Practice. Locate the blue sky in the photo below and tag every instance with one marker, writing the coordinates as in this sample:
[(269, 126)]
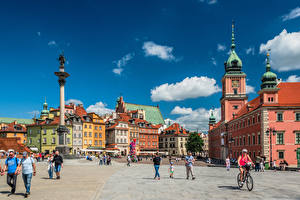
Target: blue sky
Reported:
[(134, 47)]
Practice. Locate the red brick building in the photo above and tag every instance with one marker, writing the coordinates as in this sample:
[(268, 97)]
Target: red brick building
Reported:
[(251, 124)]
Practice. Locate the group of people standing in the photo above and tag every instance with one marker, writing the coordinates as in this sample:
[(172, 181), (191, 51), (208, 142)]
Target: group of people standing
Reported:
[(13, 167), (104, 159), (189, 162)]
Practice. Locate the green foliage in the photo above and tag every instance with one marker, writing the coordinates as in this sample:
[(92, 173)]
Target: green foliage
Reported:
[(194, 143)]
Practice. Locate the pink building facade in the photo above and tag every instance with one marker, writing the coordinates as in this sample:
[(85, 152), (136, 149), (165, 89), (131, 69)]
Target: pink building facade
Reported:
[(267, 126)]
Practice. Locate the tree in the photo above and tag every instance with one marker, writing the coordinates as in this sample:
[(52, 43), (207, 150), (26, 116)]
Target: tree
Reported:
[(194, 143)]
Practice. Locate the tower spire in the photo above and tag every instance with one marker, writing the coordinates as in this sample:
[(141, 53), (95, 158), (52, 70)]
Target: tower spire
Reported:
[(232, 36), (268, 66)]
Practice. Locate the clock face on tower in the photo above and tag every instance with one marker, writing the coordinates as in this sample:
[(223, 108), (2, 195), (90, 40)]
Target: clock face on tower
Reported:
[(235, 83)]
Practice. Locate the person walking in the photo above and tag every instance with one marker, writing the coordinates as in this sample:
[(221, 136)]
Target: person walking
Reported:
[(262, 165), (104, 159), (58, 164), (11, 165), (156, 162), (189, 161), (28, 169), (50, 166), (171, 170), (128, 160), (108, 160), (227, 163), (101, 159)]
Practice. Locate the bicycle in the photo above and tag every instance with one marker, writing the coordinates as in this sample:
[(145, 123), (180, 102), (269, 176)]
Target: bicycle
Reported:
[(247, 178)]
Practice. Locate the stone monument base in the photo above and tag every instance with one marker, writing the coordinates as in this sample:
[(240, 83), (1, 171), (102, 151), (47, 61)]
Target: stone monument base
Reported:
[(64, 150)]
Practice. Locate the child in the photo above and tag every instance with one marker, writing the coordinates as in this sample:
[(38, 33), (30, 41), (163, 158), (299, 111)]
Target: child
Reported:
[(227, 163), (171, 170)]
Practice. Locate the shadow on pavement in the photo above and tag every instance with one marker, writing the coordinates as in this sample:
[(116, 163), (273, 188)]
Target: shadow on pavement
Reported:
[(9, 194), (229, 187)]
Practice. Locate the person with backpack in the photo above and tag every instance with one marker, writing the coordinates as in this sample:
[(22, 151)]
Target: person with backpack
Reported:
[(11, 165), (28, 169)]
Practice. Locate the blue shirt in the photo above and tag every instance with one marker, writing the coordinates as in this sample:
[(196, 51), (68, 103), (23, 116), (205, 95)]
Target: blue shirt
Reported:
[(189, 160), (12, 164), (27, 165)]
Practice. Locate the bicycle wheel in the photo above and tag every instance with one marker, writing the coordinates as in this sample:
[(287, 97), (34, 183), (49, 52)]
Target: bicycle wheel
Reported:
[(249, 182), (238, 178)]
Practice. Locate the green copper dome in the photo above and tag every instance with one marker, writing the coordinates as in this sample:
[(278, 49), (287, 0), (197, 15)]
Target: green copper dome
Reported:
[(234, 63), (45, 110), (269, 79), (212, 119)]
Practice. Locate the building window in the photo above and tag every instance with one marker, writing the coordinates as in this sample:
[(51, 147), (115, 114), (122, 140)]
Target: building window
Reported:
[(85, 134), (297, 116), (90, 142), (53, 140), (253, 139), (258, 138), (96, 128), (96, 142), (30, 140), (280, 154), (279, 117), (235, 107), (249, 139), (235, 91), (44, 140), (298, 138), (44, 131), (85, 142), (244, 142), (241, 141), (90, 134), (258, 118), (85, 126), (280, 138), (90, 126), (68, 141), (96, 135)]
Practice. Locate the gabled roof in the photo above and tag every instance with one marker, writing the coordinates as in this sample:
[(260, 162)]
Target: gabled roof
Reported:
[(153, 113), (289, 94), (176, 128), (7, 120), (11, 128)]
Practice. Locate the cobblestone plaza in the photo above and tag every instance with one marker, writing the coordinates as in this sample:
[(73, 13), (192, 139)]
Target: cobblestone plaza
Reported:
[(86, 180)]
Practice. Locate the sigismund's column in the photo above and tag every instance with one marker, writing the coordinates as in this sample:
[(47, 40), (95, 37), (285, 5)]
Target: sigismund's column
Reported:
[(62, 129)]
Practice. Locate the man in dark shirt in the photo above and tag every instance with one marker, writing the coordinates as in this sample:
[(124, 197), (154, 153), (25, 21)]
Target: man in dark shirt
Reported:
[(58, 164), (156, 161)]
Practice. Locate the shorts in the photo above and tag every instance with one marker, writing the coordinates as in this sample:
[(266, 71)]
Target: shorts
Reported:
[(172, 172), (57, 168)]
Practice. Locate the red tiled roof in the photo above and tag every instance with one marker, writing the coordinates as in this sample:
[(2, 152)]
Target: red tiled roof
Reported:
[(11, 128), (12, 143), (177, 128), (289, 94)]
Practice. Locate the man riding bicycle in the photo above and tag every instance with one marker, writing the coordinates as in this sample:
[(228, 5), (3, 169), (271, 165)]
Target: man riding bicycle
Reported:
[(243, 161)]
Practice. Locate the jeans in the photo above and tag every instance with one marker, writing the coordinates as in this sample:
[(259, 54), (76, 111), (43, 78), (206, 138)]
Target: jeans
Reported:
[(50, 172), (100, 162), (12, 180), (156, 167), (57, 168), (27, 181)]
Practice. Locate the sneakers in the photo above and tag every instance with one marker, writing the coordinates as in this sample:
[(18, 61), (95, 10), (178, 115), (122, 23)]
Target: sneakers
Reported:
[(13, 191), (58, 177), (26, 195), (193, 178)]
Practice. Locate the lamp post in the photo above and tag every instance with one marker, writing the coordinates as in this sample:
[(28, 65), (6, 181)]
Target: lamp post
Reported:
[(270, 132), (230, 141)]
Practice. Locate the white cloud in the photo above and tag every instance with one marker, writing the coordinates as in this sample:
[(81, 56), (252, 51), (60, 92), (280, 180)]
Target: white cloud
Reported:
[(293, 78), (221, 47), (99, 108), (162, 52), (250, 89), (118, 70), (196, 119), (250, 50), (121, 63), (212, 2), (188, 88), (213, 61), (74, 101), (292, 14), (285, 51), (181, 111), (38, 33), (52, 43)]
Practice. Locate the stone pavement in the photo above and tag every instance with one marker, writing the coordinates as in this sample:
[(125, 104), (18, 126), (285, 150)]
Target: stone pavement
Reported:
[(136, 183), (81, 179)]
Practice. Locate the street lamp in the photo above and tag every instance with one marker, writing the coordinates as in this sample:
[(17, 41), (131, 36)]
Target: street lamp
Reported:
[(270, 132)]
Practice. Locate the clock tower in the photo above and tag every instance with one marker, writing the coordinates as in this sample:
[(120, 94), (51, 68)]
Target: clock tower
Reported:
[(233, 85)]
